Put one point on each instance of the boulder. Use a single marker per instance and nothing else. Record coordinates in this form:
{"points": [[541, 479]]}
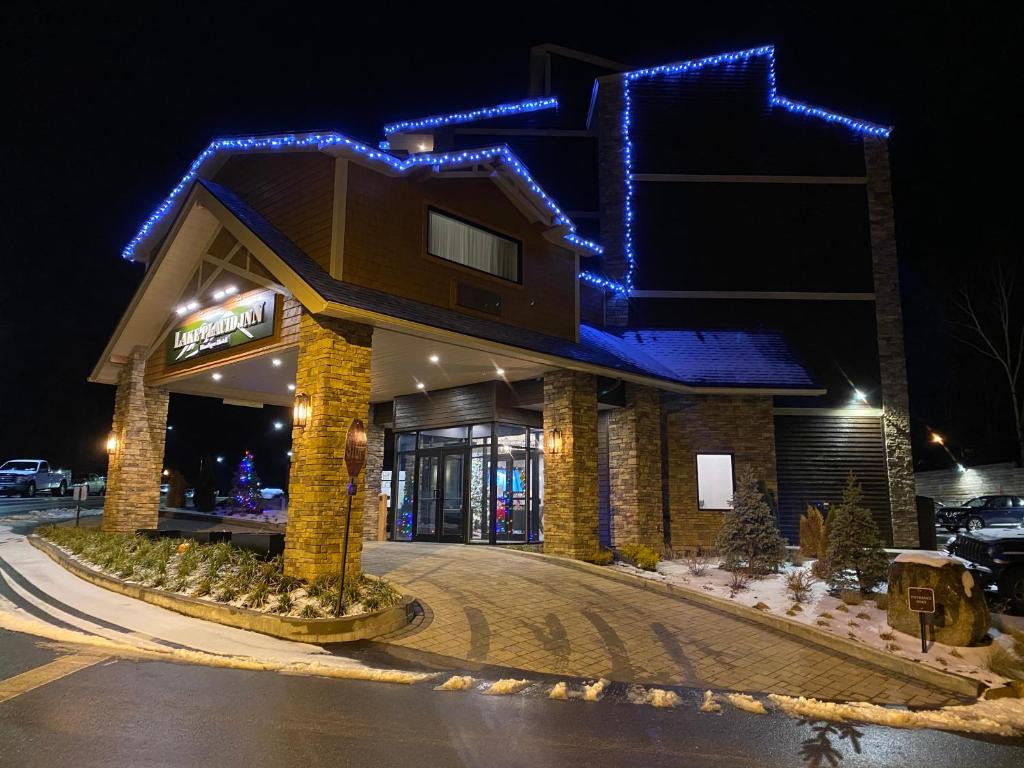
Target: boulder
{"points": [[961, 614]]}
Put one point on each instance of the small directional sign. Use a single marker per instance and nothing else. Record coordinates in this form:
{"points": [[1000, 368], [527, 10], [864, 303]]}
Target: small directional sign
{"points": [[922, 599]]}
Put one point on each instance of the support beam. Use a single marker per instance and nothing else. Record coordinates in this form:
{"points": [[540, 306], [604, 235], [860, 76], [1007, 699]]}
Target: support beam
{"points": [[634, 469]]}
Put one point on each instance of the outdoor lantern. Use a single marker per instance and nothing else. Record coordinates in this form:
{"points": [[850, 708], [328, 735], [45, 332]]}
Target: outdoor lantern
{"points": [[555, 441], [111, 443], [301, 411]]}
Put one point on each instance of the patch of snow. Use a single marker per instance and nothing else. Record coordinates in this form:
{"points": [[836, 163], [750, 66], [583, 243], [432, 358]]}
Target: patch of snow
{"points": [[560, 690], [456, 683], [999, 717], [746, 703], [662, 698], [925, 557], [709, 705], [506, 686], [593, 692], [968, 581]]}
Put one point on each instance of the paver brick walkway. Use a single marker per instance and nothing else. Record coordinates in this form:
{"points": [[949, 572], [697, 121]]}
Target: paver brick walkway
{"points": [[482, 604]]}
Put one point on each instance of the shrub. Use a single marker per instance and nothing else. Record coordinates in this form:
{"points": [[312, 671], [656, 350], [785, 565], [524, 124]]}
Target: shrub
{"points": [[798, 584], [740, 581], [601, 557], [851, 597], [749, 536], [310, 611], [284, 603], [881, 600], [796, 558], [640, 555], [813, 533], [1003, 663], [378, 594], [258, 597], [855, 555], [697, 565]]}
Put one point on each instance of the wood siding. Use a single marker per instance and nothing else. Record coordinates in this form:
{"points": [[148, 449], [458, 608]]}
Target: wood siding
{"points": [[814, 455], [474, 404], [386, 249], [295, 191]]}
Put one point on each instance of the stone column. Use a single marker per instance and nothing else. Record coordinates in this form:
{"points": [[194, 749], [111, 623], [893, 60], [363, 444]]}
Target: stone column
{"points": [[634, 468], [374, 465], [891, 358], [570, 476], [611, 176], [334, 372], [133, 471]]}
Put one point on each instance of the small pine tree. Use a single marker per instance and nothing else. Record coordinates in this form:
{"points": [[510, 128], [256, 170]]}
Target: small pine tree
{"points": [[749, 536], [205, 496], [856, 559], [246, 487], [813, 534]]}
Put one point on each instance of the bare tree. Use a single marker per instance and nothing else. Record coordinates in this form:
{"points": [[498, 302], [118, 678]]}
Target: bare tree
{"points": [[992, 325]]}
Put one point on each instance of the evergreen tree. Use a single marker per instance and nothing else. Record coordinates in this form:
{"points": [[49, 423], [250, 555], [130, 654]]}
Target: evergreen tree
{"points": [[205, 495], [749, 535], [246, 488], [856, 558]]}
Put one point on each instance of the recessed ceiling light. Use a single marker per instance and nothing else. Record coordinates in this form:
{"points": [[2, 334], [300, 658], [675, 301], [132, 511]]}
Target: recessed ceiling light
{"points": [[500, 371], [181, 310], [276, 362], [291, 387], [192, 305], [231, 290], [217, 376], [218, 295], [420, 385], [435, 359]]}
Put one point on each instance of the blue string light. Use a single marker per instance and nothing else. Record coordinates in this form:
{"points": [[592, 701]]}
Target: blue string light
{"points": [[501, 154], [482, 113], [694, 66]]}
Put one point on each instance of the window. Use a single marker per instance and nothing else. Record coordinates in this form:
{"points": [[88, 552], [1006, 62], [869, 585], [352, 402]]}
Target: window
{"points": [[473, 247], [714, 481]]}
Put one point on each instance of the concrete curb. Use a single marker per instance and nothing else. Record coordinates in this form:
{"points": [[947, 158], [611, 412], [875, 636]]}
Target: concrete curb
{"points": [[944, 680], [203, 517], [316, 631]]}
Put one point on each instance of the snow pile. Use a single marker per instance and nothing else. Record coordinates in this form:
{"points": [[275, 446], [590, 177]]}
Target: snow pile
{"points": [[559, 691], [968, 581], [506, 686], [593, 691], [709, 704], [656, 697], [746, 703], [456, 683], [924, 557], [999, 717]]}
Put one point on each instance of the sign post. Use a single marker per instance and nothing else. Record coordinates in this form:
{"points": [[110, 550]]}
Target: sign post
{"points": [[80, 491], [922, 602], [355, 459]]}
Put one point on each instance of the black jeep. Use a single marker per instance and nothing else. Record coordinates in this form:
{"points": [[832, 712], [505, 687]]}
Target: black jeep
{"points": [[994, 556]]}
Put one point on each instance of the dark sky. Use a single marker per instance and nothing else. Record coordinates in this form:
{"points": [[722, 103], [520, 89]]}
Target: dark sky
{"points": [[105, 109]]}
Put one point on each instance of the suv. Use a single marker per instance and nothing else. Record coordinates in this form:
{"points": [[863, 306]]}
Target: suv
{"points": [[982, 512], [996, 557]]}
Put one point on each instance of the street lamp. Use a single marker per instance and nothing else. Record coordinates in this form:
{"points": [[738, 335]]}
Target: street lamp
{"points": [[938, 439]]}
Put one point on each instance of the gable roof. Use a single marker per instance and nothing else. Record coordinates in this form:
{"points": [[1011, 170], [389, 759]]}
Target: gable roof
{"points": [[472, 115], [716, 361], [500, 159]]}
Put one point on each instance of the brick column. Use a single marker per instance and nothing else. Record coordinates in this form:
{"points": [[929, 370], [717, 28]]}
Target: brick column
{"points": [[634, 468], [891, 358], [570, 477], [133, 470], [334, 371], [611, 177], [374, 465]]}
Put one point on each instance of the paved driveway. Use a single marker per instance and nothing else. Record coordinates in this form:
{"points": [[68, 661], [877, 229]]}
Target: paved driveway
{"points": [[485, 605]]}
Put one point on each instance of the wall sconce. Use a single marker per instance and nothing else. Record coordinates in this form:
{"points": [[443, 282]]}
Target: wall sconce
{"points": [[300, 413], [111, 443], [555, 443]]}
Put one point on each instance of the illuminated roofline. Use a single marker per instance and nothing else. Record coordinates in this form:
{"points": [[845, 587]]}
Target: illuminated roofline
{"points": [[480, 113]]}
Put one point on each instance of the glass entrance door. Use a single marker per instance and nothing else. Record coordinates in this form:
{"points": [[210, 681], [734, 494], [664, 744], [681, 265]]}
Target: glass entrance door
{"points": [[441, 496]]}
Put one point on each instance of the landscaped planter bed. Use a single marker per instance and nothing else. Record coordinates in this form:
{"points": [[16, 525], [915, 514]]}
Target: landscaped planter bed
{"points": [[221, 583]]}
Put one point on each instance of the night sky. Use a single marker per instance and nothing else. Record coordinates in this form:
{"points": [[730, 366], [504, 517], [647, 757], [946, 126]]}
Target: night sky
{"points": [[105, 110]]}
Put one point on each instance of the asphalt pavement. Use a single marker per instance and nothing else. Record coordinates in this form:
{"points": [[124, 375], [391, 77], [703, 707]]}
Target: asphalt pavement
{"points": [[10, 505]]}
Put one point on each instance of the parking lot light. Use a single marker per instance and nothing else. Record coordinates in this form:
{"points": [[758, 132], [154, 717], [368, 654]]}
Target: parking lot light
{"points": [[938, 439]]}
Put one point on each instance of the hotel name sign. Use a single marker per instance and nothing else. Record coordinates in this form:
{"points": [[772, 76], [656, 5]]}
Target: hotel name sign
{"points": [[239, 321]]}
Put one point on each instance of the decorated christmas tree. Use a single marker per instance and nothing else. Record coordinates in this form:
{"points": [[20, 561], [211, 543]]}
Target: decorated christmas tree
{"points": [[856, 558], [246, 489], [749, 537]]}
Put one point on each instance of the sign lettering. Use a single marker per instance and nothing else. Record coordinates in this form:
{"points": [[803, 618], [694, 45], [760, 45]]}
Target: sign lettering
{"points": [[922, 599], [243, 319]]}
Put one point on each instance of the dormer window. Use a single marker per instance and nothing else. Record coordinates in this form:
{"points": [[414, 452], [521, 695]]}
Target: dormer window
{"points": [[472, 246]]}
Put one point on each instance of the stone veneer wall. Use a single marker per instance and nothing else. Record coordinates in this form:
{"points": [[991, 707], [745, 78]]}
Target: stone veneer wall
{"points": [[634, 468], [741, 425], [134, 469], [892, 361], [570, 477], [612, 195], [334, 371], [374, 466]]}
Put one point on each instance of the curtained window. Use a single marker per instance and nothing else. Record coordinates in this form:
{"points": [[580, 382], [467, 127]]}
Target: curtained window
{"points": [[457, 241]]}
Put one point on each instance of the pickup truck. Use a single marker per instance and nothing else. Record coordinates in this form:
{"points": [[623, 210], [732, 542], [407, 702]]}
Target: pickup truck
{"points": [[27, 476], [996, 557]]}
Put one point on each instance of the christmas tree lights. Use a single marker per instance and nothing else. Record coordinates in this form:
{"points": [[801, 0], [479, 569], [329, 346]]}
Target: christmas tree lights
{"points": [[246, 489]]}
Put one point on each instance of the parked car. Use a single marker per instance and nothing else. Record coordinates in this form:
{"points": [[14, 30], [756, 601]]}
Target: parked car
{"points": [[97, 484], [982, 512], [28, 476], [271, 493], [996, 557]]}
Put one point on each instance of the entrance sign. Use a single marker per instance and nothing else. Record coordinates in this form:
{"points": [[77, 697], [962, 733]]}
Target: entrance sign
{"points": [[922, 602], [236, 322]]}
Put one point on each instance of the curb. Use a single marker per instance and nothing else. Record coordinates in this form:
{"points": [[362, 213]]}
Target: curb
{"points": [[945, 680], [178, 514], [317, 631]]}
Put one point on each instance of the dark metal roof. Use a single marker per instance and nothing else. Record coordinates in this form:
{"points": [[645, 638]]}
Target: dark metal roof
{"points": [[760, 360]]}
